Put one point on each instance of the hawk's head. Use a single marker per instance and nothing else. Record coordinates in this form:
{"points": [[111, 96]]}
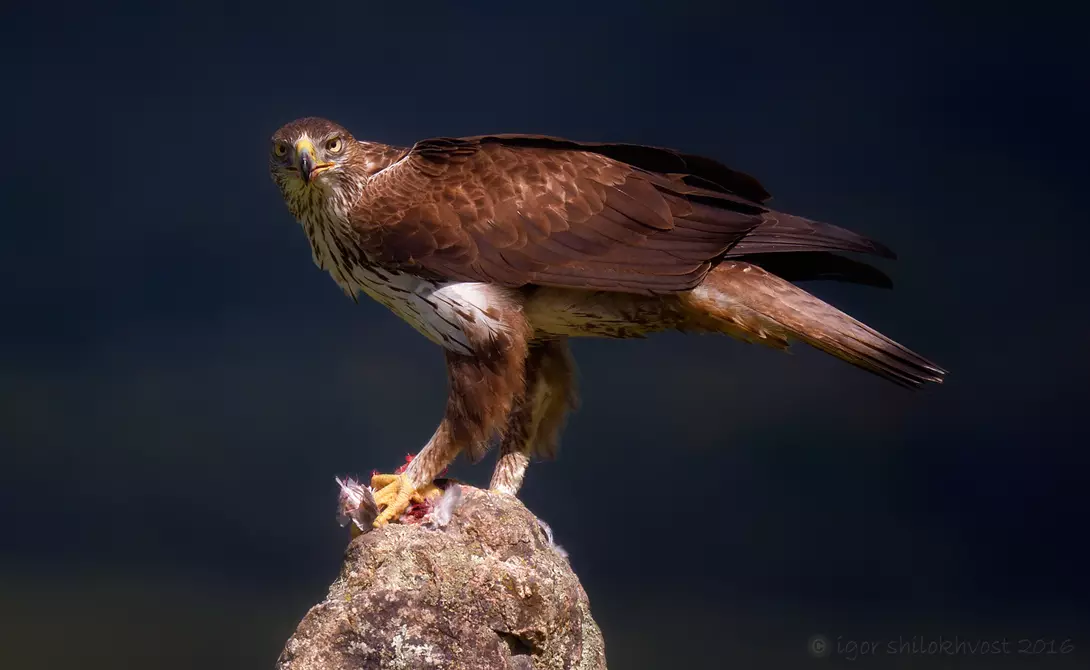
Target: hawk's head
{"points": [[315, 163], [306, 149]]}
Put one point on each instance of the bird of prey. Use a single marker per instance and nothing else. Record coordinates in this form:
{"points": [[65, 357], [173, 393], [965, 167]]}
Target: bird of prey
{"points": [[499, 248]]}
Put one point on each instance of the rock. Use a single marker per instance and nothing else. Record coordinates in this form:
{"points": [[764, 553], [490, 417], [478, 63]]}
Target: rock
{"points": [[486, 591]]}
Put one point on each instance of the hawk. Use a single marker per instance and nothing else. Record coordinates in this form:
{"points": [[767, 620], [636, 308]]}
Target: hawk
{"points": [[499, 248]]}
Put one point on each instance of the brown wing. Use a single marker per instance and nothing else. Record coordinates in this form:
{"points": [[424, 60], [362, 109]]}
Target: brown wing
{"points": [[495, 210], [693, 170]]}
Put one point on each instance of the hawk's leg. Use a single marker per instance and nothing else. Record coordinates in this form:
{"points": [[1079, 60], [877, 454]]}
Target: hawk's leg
{"points": [[483, 386], [538, 414]]}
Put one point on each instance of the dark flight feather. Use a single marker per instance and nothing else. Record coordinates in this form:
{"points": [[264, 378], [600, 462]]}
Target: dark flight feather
{"points": [[784, 232], [819, 265]]}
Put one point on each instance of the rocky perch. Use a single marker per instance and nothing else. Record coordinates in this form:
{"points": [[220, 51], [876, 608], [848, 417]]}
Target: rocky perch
{"points": [[473, 582]]}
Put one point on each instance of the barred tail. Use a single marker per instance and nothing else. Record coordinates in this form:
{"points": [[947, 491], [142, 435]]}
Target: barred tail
{"points": [[748, 302]]}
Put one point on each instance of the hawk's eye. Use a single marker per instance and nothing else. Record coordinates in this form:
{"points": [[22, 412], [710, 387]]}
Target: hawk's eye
{"points": [[280, 149], [334, 145]]}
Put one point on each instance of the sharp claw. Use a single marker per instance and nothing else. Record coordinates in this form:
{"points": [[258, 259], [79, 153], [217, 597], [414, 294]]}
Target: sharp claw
{"points": [[394, 494]]}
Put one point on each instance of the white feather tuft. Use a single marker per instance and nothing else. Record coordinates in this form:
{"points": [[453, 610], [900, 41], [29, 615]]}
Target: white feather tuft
{"points": [[443, 509], [356, 504], [549, 537]]}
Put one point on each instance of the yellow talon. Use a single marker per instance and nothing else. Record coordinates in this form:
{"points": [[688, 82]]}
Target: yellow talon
{"points": [[395, 493]]}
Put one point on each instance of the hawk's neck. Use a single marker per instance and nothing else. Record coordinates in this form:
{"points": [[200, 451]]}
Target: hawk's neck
{"points": [[325, 212], [326, 220]]}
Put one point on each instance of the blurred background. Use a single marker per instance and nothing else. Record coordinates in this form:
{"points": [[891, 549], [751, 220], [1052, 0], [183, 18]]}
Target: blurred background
{"points": [[179, 384]]}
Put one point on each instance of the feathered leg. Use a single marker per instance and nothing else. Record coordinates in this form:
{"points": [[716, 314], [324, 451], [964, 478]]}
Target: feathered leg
{"points": [[483, 387], [538, 414]]}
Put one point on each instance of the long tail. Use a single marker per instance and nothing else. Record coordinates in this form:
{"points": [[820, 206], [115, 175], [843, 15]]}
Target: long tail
{"points": [[745, 301]]}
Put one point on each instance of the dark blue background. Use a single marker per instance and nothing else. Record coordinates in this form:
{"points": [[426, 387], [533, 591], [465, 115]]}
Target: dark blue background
{"points": [[179, 383]]}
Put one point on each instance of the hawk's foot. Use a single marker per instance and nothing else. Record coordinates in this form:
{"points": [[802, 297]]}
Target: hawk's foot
{"points": [[394, 494]]}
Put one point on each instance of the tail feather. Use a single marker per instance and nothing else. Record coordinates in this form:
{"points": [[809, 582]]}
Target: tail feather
{"points": [[744, 300]]}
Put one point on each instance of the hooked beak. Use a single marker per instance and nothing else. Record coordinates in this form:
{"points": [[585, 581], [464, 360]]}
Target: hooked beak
{"points": [[306, 160]]}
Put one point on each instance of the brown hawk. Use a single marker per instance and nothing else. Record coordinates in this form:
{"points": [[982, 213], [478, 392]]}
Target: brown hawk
{"points": [[499, 248]]}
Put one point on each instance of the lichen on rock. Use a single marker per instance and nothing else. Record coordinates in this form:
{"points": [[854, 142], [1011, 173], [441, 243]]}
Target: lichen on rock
{"points": [[486, 591]]}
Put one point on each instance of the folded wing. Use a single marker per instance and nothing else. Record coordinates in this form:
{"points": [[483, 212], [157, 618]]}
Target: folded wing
{"points": [[517, 210]]}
